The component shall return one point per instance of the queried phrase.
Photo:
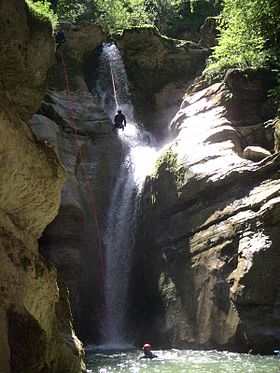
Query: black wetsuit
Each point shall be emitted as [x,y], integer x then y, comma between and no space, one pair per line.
[59,37]
[120,121]
[148,355]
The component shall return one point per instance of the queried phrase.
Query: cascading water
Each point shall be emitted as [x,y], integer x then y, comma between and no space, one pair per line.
[112,93]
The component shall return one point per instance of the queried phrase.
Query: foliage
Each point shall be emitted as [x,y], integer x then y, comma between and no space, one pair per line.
[163,13]
[77,10]
[177,17]
[43,11]
[249,37]
[171,17]
[169,162]
[119,14]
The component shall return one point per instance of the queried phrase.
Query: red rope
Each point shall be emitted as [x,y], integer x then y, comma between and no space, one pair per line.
[85,173]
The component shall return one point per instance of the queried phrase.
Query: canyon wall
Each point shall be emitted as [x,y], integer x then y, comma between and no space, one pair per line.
[159,70]
[209,268]
[35,319]
[81,134]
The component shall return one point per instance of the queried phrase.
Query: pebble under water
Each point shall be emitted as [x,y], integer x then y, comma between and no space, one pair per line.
[178,361]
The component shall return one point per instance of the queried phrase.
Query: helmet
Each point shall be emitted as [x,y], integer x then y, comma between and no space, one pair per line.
[147,347]
[119,111]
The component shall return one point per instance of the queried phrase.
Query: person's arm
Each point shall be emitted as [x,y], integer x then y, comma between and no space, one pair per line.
[124,120]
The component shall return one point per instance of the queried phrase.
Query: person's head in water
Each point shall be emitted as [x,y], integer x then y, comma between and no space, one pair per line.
[147,348]
[147,352]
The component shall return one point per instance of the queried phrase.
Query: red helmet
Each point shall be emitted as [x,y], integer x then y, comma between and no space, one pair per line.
[147,347]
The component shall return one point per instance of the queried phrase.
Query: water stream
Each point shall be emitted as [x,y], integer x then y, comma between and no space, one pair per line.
[138,155]
[175,361]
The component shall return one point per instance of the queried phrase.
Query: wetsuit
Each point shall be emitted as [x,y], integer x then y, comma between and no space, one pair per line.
[59,37]
[120,121]
[148,355]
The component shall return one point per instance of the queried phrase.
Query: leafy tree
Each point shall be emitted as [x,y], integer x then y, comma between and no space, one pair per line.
[163,13]
[114,15]
[77,10]
[249,36]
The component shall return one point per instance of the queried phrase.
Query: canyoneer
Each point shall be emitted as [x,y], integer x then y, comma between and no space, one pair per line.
[147,349]
[120,120]
[59,37]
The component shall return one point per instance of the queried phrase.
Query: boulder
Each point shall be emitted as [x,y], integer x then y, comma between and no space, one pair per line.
[248,102]
[255,153]
[261,134]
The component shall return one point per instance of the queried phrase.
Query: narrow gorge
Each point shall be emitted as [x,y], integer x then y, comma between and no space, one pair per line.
[167,231]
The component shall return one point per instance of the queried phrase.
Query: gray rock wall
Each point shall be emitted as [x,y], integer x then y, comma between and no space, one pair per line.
[159,70]
[35,319]
[71,241]
[214,248]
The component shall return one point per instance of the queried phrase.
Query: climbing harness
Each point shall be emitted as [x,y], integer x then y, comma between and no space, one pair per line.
[85,174]
[113,84]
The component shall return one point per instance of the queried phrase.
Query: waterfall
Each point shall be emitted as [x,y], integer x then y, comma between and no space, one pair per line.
[139,153]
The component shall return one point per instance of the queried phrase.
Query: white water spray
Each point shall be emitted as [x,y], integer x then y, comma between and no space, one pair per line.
[112,93]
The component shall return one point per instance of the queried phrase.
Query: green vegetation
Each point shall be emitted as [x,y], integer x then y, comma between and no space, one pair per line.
[117,15]
[42,11]
[249,30]
[172,17]
[169,162]
[249,37]
[77,10]
[179,18]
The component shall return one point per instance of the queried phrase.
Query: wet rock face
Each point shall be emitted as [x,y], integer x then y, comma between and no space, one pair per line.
[29,48]
[214,243]
[35,321]
[71,241]
[159,70]
[81,135]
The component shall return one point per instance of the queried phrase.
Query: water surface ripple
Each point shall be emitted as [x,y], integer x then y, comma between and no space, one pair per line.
[178,361]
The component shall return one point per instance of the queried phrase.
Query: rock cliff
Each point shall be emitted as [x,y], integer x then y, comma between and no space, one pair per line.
[159,69]
[209,269]
[92,158]
[71,241]
[35,319]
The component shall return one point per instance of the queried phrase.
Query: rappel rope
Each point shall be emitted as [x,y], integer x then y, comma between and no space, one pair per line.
[85,173]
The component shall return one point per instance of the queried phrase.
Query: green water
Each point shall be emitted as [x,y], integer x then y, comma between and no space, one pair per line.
[175,361]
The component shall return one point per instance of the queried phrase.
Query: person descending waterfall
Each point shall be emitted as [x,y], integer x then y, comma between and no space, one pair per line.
[120,120]
[59,37]
[147,352]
